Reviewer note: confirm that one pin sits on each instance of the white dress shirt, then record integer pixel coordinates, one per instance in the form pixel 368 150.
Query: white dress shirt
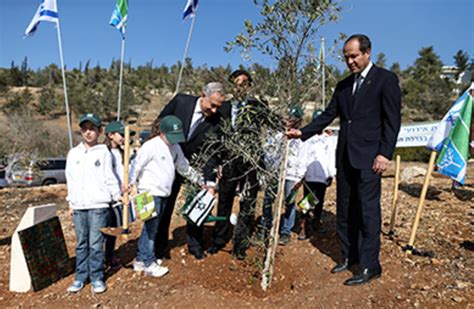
pixel 197 118
pixel 363 74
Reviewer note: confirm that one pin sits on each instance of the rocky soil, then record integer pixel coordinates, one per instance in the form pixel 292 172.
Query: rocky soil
pixel 442 278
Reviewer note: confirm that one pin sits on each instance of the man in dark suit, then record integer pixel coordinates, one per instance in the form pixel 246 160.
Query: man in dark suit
pixel 368 105
pixel 247 116
pixel 200 116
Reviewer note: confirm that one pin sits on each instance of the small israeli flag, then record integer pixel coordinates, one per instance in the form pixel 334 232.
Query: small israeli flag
pixel 190 8
pixel 47 11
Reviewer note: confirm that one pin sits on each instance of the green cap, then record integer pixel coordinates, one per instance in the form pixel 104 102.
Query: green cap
pixel 296 112
pixel 172 127
pixel 115 126
pixel 316 113
pixel 93 118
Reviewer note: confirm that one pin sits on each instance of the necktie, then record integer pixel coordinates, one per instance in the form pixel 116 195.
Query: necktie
pixel 196 124
pixel 359 80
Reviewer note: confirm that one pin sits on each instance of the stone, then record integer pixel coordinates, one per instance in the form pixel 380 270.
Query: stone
pixel 411 172
pixel 20 279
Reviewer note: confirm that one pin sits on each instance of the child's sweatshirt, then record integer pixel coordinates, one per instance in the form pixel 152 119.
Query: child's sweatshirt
pixel 91 182
pixel 155 167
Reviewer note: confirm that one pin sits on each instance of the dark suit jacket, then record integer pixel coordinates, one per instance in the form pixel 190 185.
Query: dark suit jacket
pixel 182 106
pixel 250 119
pixel 369 121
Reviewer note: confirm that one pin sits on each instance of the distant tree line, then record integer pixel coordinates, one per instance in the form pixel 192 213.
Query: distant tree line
pixel 426 95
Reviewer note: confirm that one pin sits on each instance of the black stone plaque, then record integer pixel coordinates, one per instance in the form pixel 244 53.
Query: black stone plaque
pixel 45 252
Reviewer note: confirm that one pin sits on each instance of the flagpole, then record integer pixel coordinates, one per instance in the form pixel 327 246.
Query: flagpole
pixel 66 103
pixel 185 52
pixel 323 73
pixel 119 104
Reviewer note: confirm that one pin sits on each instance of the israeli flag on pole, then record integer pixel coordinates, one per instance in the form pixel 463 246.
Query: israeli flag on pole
pixel 120 16
pixel 190 8
pixel 47 11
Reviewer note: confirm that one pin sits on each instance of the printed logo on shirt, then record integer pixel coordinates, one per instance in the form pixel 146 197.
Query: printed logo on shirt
pixel 97 163
pixel 163 158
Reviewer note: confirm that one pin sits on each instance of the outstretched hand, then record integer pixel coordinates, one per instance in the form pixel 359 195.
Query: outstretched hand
pixel 293 133
pixel 210 189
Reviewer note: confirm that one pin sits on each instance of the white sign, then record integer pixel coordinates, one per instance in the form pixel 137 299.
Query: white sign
pixel 416 134
pixel 411 135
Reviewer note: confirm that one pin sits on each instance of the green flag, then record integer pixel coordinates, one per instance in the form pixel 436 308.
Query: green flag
pixel 120 16
pixel 452 160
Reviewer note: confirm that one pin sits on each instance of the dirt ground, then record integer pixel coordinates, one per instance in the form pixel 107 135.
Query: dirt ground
pixel 302 277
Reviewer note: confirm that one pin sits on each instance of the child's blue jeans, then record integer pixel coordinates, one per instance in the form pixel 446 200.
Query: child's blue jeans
pixel 146 242
pixel 89 244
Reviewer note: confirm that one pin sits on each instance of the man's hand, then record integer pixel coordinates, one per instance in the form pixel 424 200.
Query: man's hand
pixel 380 164
pixel 210 189
pixel 293 133
pixel 329 132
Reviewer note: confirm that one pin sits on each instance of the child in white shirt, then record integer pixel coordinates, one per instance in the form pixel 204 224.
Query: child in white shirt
pixel 154 173
pixel 320 156
pixel 91 185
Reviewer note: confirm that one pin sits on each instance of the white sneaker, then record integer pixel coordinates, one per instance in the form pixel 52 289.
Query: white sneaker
pixel 138 266
pixel 156 270
pixel 75 287
pixel 98 287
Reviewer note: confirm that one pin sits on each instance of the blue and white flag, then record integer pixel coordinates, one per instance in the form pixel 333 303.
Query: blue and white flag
pixel 442 132
pixel 190 8
pixel 47 11
pixel 120 16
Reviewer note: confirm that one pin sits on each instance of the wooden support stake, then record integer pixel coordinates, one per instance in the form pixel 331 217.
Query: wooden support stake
pixel 123 230
pixel 126 164
pixel 391 231
pixel 409 247
pixel 274 232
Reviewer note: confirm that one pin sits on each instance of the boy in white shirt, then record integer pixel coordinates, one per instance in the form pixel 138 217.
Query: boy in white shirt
pixel 154 173
pixel 320 155
pixel 91 185
pixel 295 170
